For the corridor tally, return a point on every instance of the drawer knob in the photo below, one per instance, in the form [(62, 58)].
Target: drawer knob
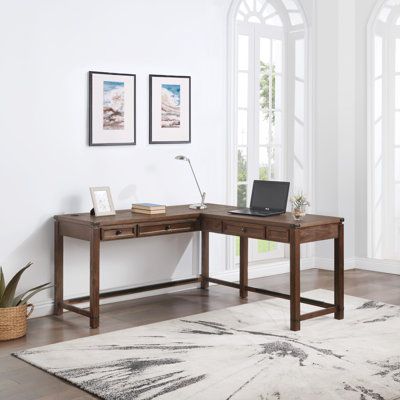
[(167, 227), (118, 232)]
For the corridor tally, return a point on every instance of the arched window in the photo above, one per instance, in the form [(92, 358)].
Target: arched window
[(268, 103), (384, 131)]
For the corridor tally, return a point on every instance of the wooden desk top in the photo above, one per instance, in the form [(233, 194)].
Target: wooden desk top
[(215, 211)]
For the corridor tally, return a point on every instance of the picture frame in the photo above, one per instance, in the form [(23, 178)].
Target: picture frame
[(169, 109), (102, 201), (112, 109)]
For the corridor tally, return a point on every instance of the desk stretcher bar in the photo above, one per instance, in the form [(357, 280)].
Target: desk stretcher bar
[(328, 308)]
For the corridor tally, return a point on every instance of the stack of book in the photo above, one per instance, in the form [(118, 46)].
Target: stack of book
[(148, 208)]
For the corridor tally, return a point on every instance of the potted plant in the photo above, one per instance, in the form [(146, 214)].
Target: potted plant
[(14, 309), (299, 206)]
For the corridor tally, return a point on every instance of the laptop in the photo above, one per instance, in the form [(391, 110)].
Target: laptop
[(267, 198)]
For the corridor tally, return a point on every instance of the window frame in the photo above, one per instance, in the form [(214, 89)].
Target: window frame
[(289, 38), (255, 33)]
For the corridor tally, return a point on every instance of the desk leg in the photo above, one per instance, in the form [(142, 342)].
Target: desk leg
[(339, 273), (294, 280), (244, 266), (58, 269), (94, 278), (205, 259)]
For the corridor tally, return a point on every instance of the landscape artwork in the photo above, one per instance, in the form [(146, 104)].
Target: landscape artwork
[(113, 105), (112, 109), (170, 106), (169, 111)]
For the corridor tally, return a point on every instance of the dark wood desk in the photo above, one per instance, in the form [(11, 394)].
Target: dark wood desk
[(179, 219)]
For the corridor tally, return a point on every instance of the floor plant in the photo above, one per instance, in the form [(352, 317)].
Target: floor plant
[(13, 308)]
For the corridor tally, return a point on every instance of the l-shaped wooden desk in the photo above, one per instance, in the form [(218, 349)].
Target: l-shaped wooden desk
[(179, 219)]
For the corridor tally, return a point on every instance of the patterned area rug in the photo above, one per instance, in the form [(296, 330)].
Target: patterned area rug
[(241, 353)]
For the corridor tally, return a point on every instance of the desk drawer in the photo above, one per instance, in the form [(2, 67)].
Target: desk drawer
[(247, 230), (118, 232), (161, 228), (278, 234), (212, 225)]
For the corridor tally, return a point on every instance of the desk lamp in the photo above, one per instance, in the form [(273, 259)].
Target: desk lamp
[(200, 206)]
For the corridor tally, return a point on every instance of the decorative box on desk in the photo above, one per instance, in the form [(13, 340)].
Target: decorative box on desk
[(179, 219)]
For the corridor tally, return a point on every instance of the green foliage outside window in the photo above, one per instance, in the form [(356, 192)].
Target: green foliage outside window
[(263, 246), (268, 75), (264, 173), (267, 72), (242, 177)]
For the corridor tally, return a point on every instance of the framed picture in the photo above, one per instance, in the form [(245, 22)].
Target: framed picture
[(102, 201), (112, 109), (170, 109)]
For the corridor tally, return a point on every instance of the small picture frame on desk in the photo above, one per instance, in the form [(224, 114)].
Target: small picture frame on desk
[(102, 201), (112, 109), (170, 109)]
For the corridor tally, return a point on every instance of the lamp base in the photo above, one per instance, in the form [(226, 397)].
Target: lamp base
[(198, 206)]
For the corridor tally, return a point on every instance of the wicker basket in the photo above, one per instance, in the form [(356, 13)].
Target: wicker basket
[(13, 321)]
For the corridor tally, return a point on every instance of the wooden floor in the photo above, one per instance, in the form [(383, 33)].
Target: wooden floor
[(20, 381)]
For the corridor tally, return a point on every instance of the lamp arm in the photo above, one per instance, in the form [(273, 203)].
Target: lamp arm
[(197, 183)]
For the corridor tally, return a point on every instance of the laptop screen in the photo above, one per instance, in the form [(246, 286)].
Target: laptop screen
[(270, 194)]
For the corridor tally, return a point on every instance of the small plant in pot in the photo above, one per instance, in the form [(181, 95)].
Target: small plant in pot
[(14, 309), (299, 206)]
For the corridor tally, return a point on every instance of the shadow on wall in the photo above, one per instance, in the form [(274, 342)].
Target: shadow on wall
[(132, 262), (128, 193), (38, 248), (71, 203)]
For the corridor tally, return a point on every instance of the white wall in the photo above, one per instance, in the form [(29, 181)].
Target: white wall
[(341, 127), (346, 120), (326, 114), (46, 167), (364, 10)]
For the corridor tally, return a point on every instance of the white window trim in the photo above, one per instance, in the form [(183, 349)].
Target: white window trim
[(310, 67), (255, 32)]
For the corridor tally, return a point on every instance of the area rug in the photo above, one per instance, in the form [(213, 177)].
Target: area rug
[(241, 353)]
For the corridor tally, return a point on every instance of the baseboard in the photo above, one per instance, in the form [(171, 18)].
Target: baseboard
[(45, 308), (368, 264), (385, 266), (327, 263), (265, 269)]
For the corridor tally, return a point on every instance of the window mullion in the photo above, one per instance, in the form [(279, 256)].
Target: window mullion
[(252, 111), (270, 111), (257, 77), (390, 142)]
